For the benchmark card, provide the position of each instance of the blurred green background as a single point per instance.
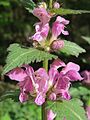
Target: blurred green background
(16, 25)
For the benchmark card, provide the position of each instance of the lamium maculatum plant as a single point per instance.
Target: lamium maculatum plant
(48, 86)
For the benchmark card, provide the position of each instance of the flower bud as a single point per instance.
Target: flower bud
(56, 5)
(57, 45)
(42, 5)
(52, 96)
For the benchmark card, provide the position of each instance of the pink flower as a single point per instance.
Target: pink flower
(50, 115)
(40, 99)
(61, 87)
(42, 82)
(60, 84)
(25, 82)
(57, 64)
(58, 27)
(56, 5)
(57, 45)
(17, 74)
(38, 83)
(88, 112)
(31, 82)
(68, 73)
(72, 71)
(42, 28)
(23, 97)
(86, 77)
(42, 15)
(41, 32)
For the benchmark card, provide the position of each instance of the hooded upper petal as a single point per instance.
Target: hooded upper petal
(42, 15)
(71, 71)
(17, 74)
(57, 64)
(62, 20)
(57, 29)
(59, 26)
(70, 66)
(41, 32)
(74, 75)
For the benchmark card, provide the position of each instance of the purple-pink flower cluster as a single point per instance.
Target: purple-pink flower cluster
(41, 85)
(43, 29)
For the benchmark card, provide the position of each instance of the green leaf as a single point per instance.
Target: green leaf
(19, 55)
(71, 110)
(63, 11)
(78, 90)
(87, 39)
(10, 94)
(14, 95)
(5, 3)
(6, 117)
(71, 48)
(28, 4)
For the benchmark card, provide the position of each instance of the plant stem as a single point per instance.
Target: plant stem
(88, 102)
(50, 3)
(45, 64)
(44, 111)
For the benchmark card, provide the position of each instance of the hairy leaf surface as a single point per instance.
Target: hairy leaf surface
(19, 55)
(14, 94)
(63, 11)
(78, 90)
(71, 110)
(87, 39)
(28, 4)
(71, 48)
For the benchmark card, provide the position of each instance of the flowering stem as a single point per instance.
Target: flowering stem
(44, 111)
